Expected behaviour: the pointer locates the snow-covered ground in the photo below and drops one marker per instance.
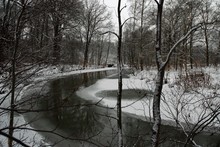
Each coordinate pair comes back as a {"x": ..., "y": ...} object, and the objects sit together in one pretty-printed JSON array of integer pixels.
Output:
[
  {"x": 30, "y": 137},
  {"x": 189, "y": 100},
  {"x": 180, "y": 101}
]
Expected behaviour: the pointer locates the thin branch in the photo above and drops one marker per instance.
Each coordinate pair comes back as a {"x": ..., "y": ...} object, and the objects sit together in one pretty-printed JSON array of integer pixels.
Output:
[
  {"x": 63, "y": 136},
  {"x": 156, "y": 2},
  {"x": 123, "y": 8},
  {"x": 187, "y": 135},
  {"x": 134, "y": 101},
  {"x": 177, "y": 43},
  {"x": 110, "y": 33},
  {"x": 15, "y": 139},
  {"x": 127, "y": 20}
]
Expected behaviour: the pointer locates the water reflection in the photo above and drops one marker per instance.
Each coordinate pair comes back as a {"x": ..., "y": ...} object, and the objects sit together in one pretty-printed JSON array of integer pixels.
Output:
[
  {"x": 79, "y": 119},
  {"x": 75, "y": 116}
]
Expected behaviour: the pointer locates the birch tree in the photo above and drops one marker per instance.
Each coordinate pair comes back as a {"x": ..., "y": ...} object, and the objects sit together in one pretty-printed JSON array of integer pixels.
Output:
[
  {"x": 161, "y": 65},
  {"x": 159, "y": 79}
]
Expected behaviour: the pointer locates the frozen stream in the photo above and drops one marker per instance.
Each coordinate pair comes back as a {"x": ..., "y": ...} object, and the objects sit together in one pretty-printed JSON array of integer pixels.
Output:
[{"x": 72, "y": 116}]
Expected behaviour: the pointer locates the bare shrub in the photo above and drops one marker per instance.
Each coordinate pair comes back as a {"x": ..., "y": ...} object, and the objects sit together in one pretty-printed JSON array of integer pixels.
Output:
[{"x": 194, "y": 80}]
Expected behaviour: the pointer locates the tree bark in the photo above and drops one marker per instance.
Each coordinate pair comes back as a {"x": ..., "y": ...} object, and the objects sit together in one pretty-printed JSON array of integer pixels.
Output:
[
  {"x": 141, "y": 36},
  {"x": 160, "y": 74},
  {"x": 161, "y": 65},
  {"x": 100, "y": 51},
  {"x": 156, "y": 108},
  {"x": 85, "y": 62},
  {"x": 56, "y": 42},
  {"x": 159, "y": 80},
  {"x": 191, "y": 51},
  {"x": 206, "y": 45},
  {"x": 108, "y": 50},
  {"x": 133, "y": 54},
  {"x": 5, "y": 37},
  {"x": 119, "y": 68}
]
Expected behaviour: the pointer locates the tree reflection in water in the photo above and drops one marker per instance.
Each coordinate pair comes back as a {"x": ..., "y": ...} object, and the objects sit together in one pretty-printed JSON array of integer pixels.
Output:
[
  {"x": 77, "y": 118},
  {"x": 74, "y": 115}
]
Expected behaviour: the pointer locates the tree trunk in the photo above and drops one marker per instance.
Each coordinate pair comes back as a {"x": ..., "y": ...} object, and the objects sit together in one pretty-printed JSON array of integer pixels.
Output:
[
  {"x": 141, "y": 37},
  {"x": 86, "y": 52},
  {"x": 4, "y": 30},
  {"x": 119, "y": 68},
  {"x": 159, "y": 81},
  {"x": 156, "y": 108},
  {"x": 109, "y": 45},
  {"x": 85, "y": 62},
  {"x": 133, "y": 54},
  {"x": 13, "y": 74},
  {"x": 206, "y": 45},
  {"x": 100, "y": 51},
  {"x": 2, "y": 46},
  {"x": 56, "y": 42},
  {"x": 190, "y": 51},
  {"x": 161, "y": 65},
  {"x": 13, "y": 81}
]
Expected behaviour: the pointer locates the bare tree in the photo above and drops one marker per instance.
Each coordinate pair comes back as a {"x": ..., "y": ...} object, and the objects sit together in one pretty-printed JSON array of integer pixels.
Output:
[
  {"x": 161, "y": 65},
  {"x": 160, "y": 76},
  {"x": 179, "y": 18},
  {"x": 18, "y": 29},
  {"x": 19, "y": 23},
  {"x": 93, "y": 19},
  {"x": 119, "y": 68},
  {"x": 108, "y": 48},
  {"x": 206, "y": 13},
  {"x": 60, "y": 15},
  {"x": 119, "y": 72},
  {"x": 180, "y": 105}
]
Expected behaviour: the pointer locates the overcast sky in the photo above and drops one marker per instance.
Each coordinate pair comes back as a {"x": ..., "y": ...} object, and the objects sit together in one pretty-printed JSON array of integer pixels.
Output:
[{"x": 112, "y": 6}]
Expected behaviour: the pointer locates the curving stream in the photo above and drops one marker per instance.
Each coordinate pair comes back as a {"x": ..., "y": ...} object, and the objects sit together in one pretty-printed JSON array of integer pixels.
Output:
[{"x": 66, "y": 120}]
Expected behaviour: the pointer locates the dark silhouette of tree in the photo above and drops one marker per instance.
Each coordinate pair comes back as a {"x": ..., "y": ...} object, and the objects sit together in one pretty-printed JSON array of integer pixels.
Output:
[{"x": 93, "y": 20}]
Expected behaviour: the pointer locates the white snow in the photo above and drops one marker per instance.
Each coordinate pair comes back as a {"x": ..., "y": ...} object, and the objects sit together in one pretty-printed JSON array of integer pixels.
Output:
[
  {"x": 177, "y": 101},
  {"x": 31, "y": 138},
  {"x": 28, "y": 136},
  {"x": 53, "y": 72}
]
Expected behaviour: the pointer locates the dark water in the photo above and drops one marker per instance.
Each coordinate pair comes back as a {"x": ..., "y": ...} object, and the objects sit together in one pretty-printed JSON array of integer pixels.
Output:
[{"x": 74, "y": 122}]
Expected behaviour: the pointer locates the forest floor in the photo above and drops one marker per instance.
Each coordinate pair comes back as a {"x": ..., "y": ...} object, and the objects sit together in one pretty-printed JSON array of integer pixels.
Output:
[{"x": 188, "y": 98}]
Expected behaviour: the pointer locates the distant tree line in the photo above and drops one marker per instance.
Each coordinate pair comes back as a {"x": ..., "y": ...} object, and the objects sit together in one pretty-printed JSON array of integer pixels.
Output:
[
  {"x": 72, "y": 32},
  {"x": 55, "y": 31},
  {"x": 199, "y": 49}
]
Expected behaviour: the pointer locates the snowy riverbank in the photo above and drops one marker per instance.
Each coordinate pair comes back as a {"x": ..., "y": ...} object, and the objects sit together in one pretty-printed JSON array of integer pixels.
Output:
[
  {"x": 27, "y": 135},
  {"x": 187, "y": 104},
  {"x": 191, "y": 101}
]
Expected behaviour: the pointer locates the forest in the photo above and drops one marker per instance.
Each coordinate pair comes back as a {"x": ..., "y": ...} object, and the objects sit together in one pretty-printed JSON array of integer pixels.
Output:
[{"x": 81, "y": 73}]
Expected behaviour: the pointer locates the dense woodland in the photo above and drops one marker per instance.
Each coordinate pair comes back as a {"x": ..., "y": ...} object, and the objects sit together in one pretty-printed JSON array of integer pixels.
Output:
[
  {"x": 81, "y": 32},
  {"x": 71, "y": 32}
]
